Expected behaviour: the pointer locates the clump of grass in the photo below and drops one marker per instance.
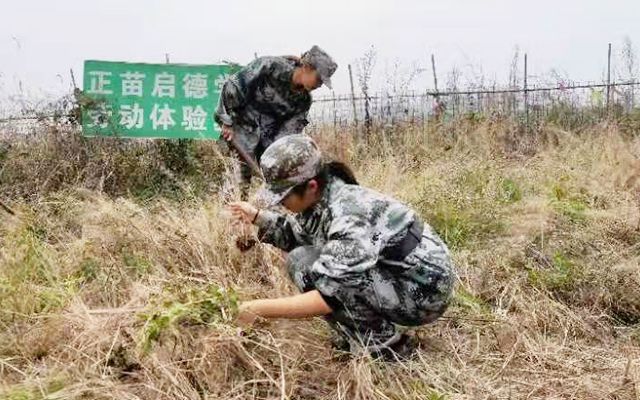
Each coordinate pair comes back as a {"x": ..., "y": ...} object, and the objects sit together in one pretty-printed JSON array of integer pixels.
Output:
[
  {"x": 468, "y": 207},
  {"x": 635, "y": 335},
  {"x": 89, "y": 269},
  {"x": 51, "y": 390},
  {"x": 510, "y": 191},
  {"x": 562, "y": 275},
  {"x": 419, "y": 389},
  {"x": 574, "y": 210},
  {"x": 136, "y": 262},
  {"x": 59, "y": 158},
  {"x": 451, "y": 223},
  {"x": 32, "y": 280},
  {"x": 470, "y": 303},
  {"x": 570, "y": 204}
]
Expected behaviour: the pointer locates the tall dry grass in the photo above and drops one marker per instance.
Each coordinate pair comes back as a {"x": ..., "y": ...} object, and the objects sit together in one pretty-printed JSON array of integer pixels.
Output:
[{"x": 110, "y": 296}]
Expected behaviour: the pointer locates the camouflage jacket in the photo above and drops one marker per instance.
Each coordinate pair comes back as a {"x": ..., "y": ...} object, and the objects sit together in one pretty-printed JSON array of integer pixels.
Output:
[
  {"x": 352, "y": 225},
  {"x": 261, "y": 97}
]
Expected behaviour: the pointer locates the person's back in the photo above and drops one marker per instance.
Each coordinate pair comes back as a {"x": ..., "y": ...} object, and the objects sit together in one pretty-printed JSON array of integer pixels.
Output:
[
  {"x": 347, "y": 205},
  {"x": 273, "y": 95},
  {"x": 262, "y": 96}
]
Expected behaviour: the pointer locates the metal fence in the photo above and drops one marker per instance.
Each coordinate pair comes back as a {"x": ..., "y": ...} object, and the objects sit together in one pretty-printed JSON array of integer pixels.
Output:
[
  {"x": 587, "y": 102},
  {"x": 530, "y": 105}
]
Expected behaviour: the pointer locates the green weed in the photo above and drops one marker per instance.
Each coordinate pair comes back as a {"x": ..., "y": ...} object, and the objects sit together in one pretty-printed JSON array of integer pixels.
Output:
[
  {"x": 510, "y": 192},
  {"x": 563, "y": 275},
  {"x": 209, "y": 306}
]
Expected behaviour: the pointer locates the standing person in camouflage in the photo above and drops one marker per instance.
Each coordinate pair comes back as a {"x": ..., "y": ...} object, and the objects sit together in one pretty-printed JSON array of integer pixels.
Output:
[
  {"x": 363, "y": 260},
  {"x": 270, "y": 98}
]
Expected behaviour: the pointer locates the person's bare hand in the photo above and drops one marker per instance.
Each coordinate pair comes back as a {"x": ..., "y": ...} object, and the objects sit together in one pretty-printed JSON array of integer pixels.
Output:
[
  {"x": 243, "y": 214},
  {"x": 227, "y": 132},
  {"x": 246, "y": 317},
  {"x": 243, "y": 211}
]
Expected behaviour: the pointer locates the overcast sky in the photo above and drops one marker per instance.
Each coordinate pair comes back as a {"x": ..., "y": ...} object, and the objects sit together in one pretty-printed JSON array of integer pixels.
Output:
[{"x": 41, "y": 40}]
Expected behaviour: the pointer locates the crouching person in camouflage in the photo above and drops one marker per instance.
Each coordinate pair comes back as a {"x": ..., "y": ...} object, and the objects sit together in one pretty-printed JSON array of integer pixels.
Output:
[
  {"x": 361, "y": 259},
  {"x": 268, "y": 99}
]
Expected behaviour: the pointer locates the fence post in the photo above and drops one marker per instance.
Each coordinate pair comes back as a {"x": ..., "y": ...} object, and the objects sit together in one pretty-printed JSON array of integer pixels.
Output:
[
  {"x": 435, "y": 75},
  {"x": 367, "y": 113},
  {"x": 526, "y": 92},
  {"x": 166, "y": 58},
  {"x": 353, "y": 98},
  {"x": 73, "y": 80},
  {"x": 608, "y": 80},
  {"x": 438, "y": 105},
  {"x": 335, "y": 113}
]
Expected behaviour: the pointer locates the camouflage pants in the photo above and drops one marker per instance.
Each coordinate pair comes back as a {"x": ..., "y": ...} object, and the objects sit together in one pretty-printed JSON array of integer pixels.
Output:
[
  {"x": 246, "y": 173},
  {"x": 386, "y": 297},
  {"x": 255, "y": 143}
]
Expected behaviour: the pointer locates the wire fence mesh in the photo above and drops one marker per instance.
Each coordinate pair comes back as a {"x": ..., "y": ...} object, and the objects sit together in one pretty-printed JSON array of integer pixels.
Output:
[
  {"x": 588, "y": 102},
  {"x": 531, "y": 105}
]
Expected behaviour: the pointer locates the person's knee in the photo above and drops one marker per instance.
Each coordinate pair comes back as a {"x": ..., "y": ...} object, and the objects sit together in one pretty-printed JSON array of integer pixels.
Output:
[
  {"x": 431, "y": 308},
  {"x": 303, "y": 256}
]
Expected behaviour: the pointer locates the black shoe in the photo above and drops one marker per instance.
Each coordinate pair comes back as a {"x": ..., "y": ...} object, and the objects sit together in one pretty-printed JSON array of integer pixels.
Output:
[
  {"x": 340, "y": 343},
  {"x": 342, "y": 349},
  {"x": 402, "y": 350}
]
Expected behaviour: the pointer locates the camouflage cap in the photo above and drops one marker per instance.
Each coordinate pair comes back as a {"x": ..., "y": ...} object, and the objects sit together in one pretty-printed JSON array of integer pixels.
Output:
[
  {"x": 322, "y": 62},
  {"x": 288, "y": 162}
]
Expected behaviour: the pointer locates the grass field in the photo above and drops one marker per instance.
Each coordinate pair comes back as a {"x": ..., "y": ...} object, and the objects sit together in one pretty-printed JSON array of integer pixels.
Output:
[{"x": 119, "y": 274}]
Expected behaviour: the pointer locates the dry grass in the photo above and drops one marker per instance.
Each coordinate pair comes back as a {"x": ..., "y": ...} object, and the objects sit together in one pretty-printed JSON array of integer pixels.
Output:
[{"x": 545, "y": 237}]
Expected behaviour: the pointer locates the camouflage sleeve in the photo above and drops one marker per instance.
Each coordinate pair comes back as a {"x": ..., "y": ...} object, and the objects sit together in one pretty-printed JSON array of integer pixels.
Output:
[
  {"x": 293, "y": 126},
  {"x": 230, "y": 104},
  {"x": 235, "y": 91},
  {"x": 296, "y": 123},
  {"x": 350, "y": 250},
  {"x": 278, "y": 229}
]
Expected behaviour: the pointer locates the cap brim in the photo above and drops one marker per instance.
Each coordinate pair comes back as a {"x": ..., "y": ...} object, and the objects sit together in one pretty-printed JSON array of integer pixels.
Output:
[{"x": 271, "y": 198}]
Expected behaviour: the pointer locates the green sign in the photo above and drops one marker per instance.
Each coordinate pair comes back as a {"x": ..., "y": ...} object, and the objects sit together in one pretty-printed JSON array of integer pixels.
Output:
[{"x": 151, "y": 100}]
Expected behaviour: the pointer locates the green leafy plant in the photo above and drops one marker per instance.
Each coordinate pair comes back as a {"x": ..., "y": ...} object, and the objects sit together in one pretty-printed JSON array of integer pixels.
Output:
[
  {"x": 510, "y": 191},
  {"x": 209, "y": 306},
  {"x": 562, "y": 275},
  {"x": 568, "y": 202}
]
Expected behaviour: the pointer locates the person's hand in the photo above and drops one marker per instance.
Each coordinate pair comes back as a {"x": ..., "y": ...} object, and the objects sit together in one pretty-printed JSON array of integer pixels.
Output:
[
  {"x": 244, "y": 214},
  {"x": 246, "y": 318},
  {"x": 243, "y": 211},
  {"x": 227, "y": 132}
]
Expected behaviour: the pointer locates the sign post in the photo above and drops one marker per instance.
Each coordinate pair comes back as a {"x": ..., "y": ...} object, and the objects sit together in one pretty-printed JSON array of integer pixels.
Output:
[{"x": 172, "y": 101}]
